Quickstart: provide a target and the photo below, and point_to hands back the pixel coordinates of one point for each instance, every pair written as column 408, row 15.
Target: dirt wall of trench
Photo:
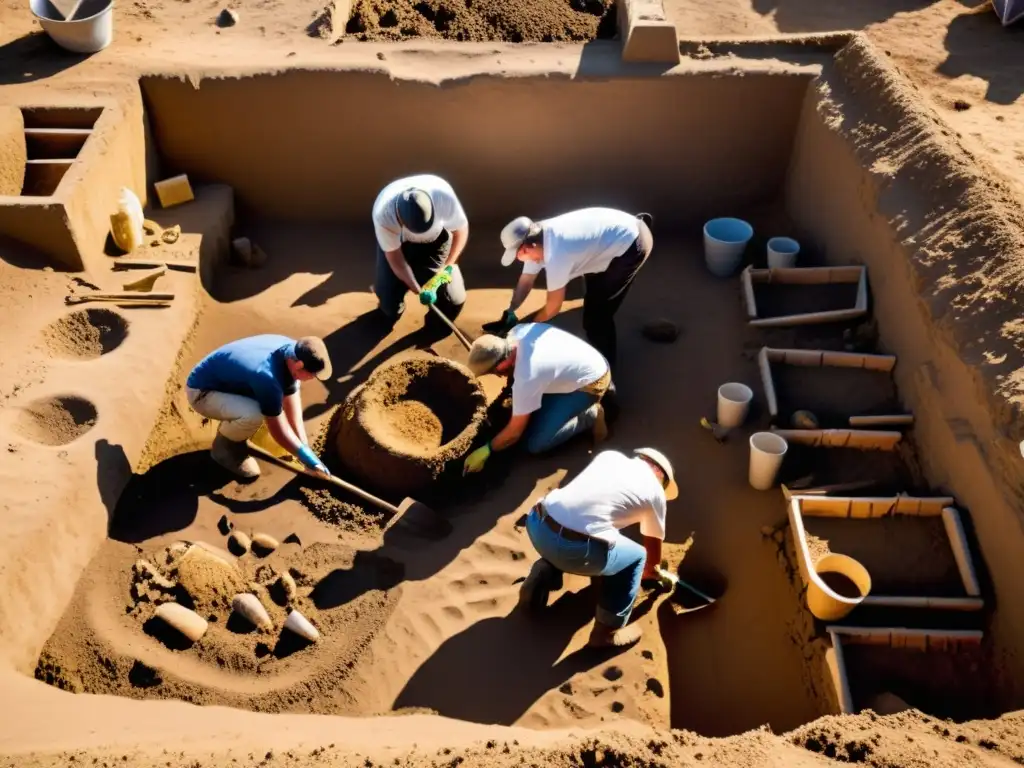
column 678, row 146
column 876, row 179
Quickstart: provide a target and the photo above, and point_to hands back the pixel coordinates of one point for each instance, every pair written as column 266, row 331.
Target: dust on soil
column 513, row 21
column 411, row 426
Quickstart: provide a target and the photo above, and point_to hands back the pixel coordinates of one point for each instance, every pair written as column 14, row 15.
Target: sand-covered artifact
column 399, row 430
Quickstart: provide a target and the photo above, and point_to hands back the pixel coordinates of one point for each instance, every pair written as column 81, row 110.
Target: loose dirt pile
column 411, row 426
column 513, row 21
column 85, row 334
column 56, row 420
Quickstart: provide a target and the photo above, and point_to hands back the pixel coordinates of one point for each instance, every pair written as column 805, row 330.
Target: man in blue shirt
column 245, row 382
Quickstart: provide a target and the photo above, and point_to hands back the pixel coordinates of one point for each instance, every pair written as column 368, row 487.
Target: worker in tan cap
column 421, row 231
column 252, row 380
column 558, row 381
column 578, row 529
column 605, row 246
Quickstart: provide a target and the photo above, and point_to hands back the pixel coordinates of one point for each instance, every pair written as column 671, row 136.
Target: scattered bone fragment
column 288, row 586
column 301, row 626
column 170, row 236
column 187, row 622
column 264, row 543
column 805, row 420
column 145, row 284
column 250, row 607
column 149, row 572
column 239, row 542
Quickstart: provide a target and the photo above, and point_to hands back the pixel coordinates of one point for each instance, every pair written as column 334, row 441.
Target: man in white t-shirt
column 578, row 529
column 558, row 381
column 421, row 231
column 605, row 246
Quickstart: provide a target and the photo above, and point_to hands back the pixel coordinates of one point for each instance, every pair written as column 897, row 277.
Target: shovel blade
column 421, row 520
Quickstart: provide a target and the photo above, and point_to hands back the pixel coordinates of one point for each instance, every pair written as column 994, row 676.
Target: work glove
column 501, row 327
column 663, row 579
column 428, row 293
column 476, row 460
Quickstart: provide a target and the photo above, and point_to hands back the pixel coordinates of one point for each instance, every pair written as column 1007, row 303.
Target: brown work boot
column 234, row 457
column 543, row 578
column 600, row 429
column 603, row 636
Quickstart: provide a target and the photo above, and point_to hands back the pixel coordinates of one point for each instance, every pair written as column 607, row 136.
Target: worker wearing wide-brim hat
column 558, row 382
column 578, row 529
column 421, row 231
column 254, row 380
column 605, row 246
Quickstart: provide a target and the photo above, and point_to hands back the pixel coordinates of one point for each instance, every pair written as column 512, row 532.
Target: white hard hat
column 659, row 458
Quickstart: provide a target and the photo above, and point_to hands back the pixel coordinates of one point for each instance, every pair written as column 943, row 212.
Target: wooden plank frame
column 805, row 276
column 924, row 640
column 854, row 508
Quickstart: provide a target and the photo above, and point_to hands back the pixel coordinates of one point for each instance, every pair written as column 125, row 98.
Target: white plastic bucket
column 724, row 242
column 767, row 450
column 782, row 252
column 733, row 404
column 824, row 602
column 90, row 29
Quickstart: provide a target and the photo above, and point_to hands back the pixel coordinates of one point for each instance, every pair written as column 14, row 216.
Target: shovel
column 677, row 607
column 458, row 334
column 412, row 514
column 149, row 299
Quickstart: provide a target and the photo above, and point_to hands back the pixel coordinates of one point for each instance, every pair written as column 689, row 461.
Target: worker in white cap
column 607, row 247
column 578, row 529
column 421, row 231
column 558, row 381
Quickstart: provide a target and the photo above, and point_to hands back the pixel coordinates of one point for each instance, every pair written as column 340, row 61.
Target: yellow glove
column 666, row 579
column 476, row 460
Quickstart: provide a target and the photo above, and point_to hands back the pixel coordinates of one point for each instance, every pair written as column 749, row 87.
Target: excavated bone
column 249, row 606
column 288, row 586
column 301, row 626
column 264, row 542
column 188, row 622
column 240, row 540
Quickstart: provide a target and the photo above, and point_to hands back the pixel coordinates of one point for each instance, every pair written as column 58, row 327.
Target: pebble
column 264, row 543
column 227, row 18
column 301, row 626
column 661, row 330
column 240, row 541
column 805, row 420
column 288, row 586
column 224, row 525
column 188, row 622
column 251, row 608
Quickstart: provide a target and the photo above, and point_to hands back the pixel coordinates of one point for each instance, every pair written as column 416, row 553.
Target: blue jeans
column 559, row 418
column 617, row 569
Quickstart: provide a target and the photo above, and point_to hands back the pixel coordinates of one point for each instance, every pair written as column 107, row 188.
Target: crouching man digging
column 251, row 380
column 558, row 381
column 577, row 529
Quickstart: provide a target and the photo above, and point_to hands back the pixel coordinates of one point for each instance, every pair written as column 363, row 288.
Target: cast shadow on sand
column 34, row 57
column 496, row 669
column 816, row 16
column 977, row 44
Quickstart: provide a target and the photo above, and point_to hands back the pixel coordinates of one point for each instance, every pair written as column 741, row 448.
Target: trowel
column 412, row 514
column 678, row 608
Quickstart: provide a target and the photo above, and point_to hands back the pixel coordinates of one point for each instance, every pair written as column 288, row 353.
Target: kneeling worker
column 558, row 381
column 421, row 231
column 577, row 529
column 252, row 379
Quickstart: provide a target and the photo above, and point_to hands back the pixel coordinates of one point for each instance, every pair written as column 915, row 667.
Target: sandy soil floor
column 416, row 628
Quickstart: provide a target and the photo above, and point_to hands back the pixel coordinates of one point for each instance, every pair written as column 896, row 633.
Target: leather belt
column 599, row 387
column 558, row 528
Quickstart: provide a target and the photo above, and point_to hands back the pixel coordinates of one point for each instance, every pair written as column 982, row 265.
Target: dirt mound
column 86, row 334
column 411, row 418
column 55, row 420
column 513, row 21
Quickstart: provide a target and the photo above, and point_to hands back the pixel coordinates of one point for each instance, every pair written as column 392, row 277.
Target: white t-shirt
column 612, row 493
column 448, row 213
column 550, row 361
column 583, row 242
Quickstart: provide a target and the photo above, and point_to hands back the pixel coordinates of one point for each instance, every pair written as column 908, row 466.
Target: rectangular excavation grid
column 877, row 508
column 787, row 290
column 929, row 643
column 53, row 139
column 855, row 387
column 859, row 439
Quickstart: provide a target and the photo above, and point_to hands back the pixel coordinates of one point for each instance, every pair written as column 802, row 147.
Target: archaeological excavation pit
column 409, row 421
column 433, row 627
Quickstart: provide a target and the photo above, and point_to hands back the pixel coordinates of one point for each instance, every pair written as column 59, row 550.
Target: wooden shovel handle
column 458, row 334
column 300, row 469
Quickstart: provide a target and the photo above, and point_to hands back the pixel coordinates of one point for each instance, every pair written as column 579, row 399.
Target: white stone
column 301, row 626
column 249, row 606
column 188, row 622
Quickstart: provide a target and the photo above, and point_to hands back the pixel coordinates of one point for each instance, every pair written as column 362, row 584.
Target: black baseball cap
column 312, row 353
column 416, row 210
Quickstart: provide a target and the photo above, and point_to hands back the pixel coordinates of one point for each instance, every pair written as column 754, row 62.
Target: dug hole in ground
column 106, row 481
